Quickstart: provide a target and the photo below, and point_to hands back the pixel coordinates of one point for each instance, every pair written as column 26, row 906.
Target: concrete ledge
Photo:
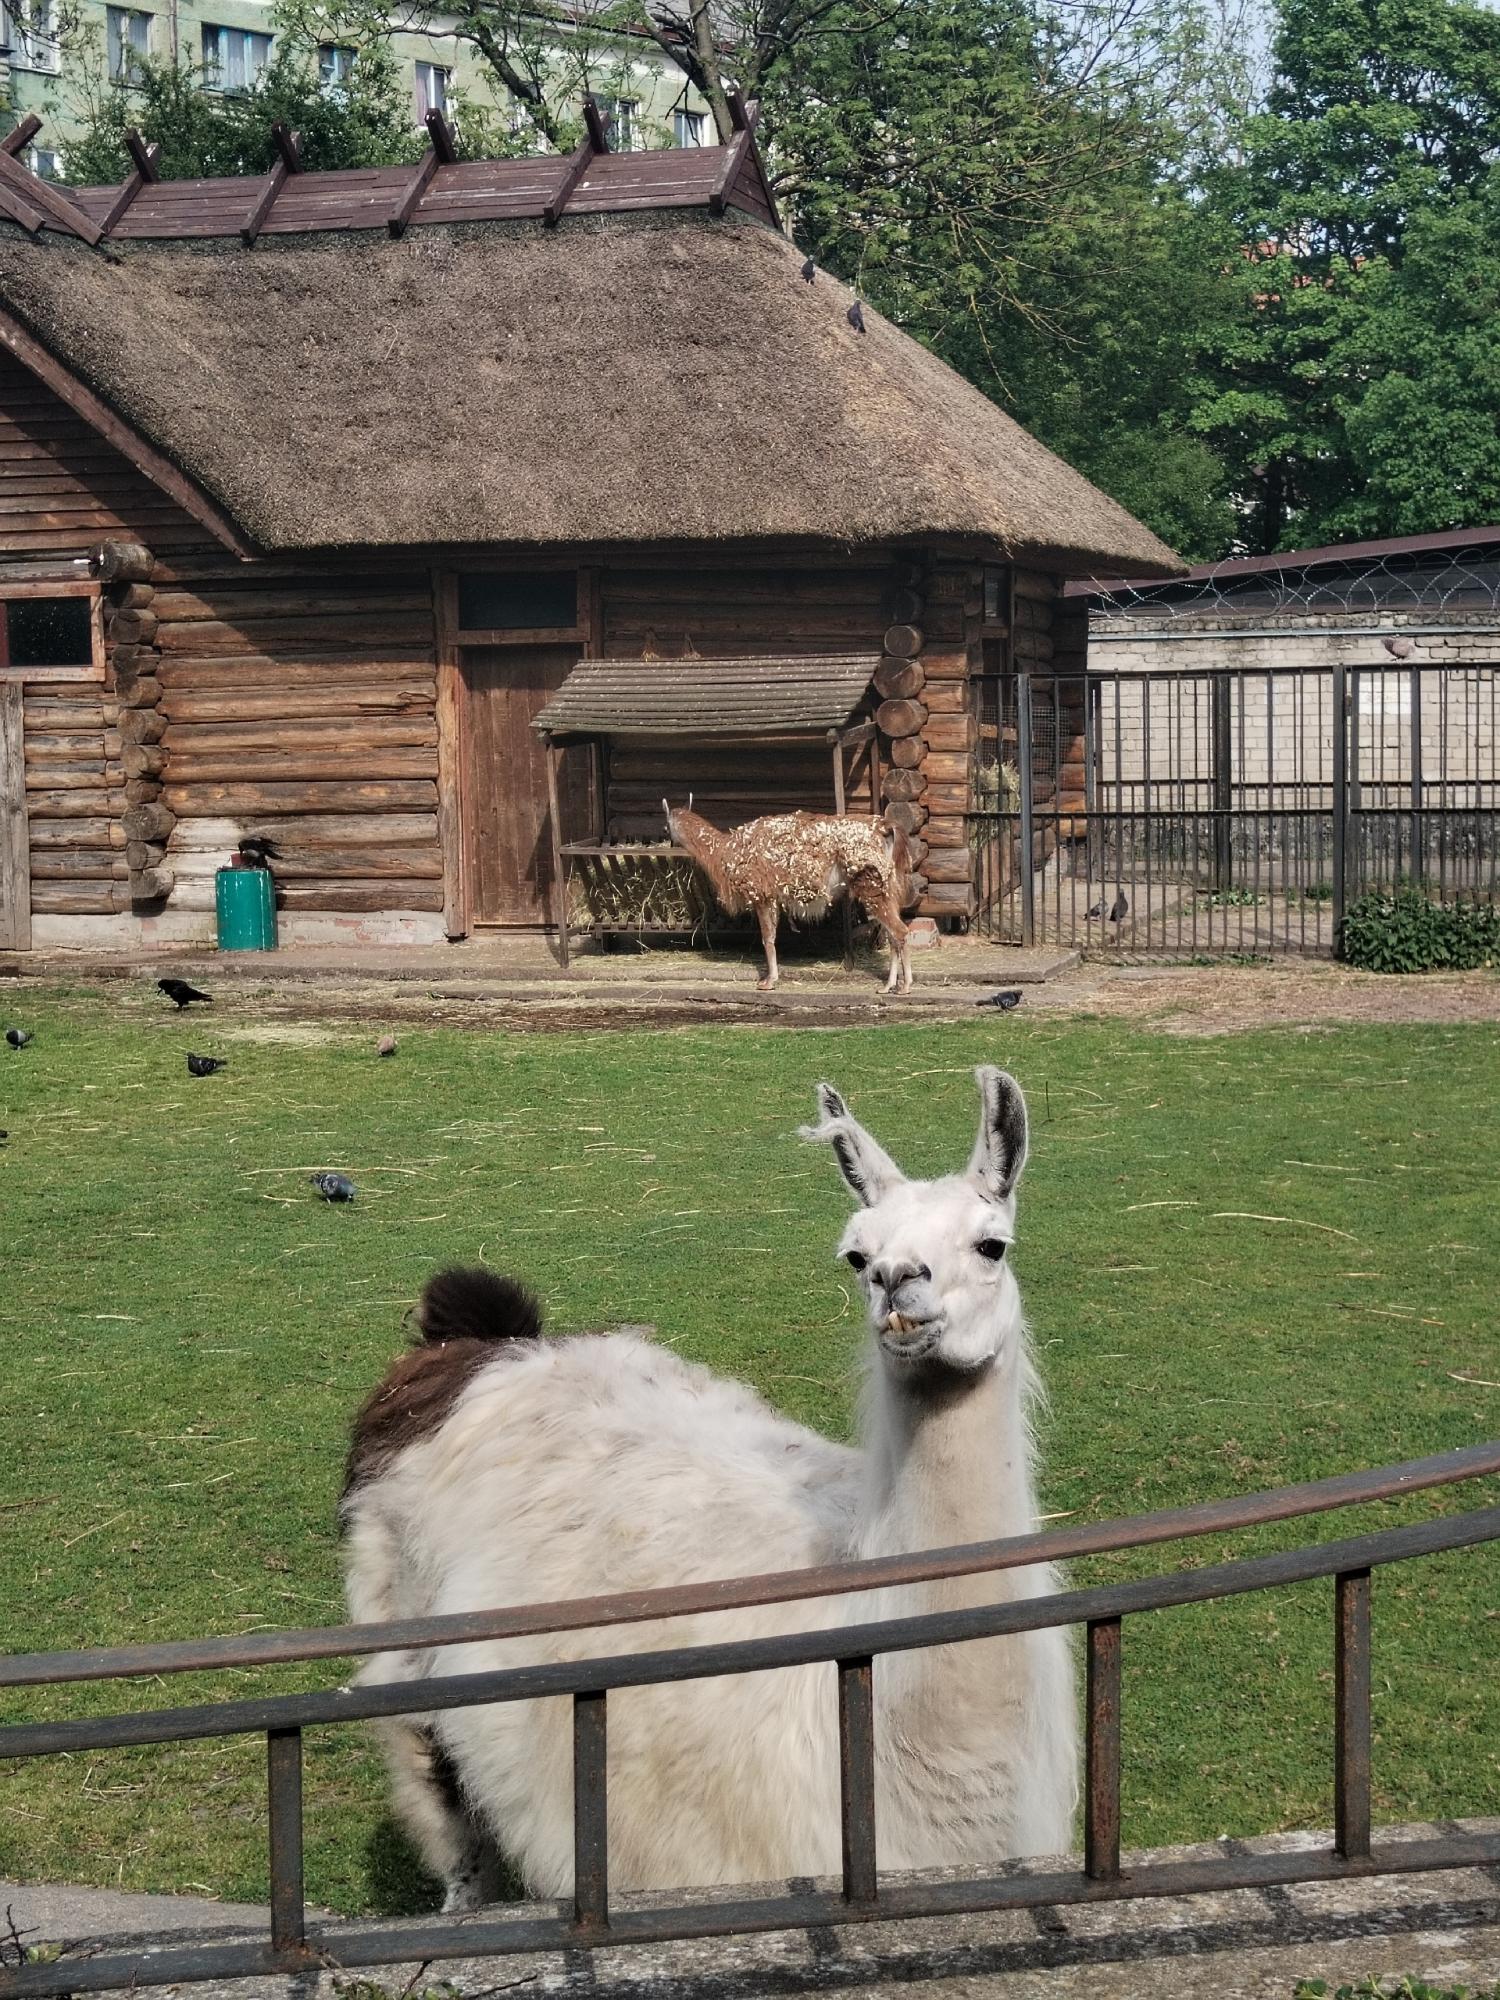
column 1249, row 1944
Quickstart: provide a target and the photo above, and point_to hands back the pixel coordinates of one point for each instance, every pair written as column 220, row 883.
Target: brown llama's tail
column 899, row 848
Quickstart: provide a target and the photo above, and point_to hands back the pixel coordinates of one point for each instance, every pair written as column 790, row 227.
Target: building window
column 620, row 115
column 518, row 601
column 56, row 636
column 32, row 34
column 433, row 83
column 45, row 162
column 233, row 58
column 687, row 128
column 128, row 39
column 335, row 65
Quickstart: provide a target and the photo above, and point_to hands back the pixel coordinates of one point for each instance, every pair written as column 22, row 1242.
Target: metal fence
column 1230, row 810
column 851, row 1650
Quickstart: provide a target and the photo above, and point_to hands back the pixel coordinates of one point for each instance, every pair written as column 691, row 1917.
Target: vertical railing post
column 1024, row 753
column 1418, row 838
column 1339, row 697
column 1221, row 756
column 590, row 1812
column 857, row 1777
column 1101, row 1816
column 1351, row 1715
column 284, row 1789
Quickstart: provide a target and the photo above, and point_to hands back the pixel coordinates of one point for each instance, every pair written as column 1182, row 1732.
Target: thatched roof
column 622, row 378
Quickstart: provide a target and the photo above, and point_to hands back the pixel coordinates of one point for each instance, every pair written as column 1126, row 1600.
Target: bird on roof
column 206, row 1065
column 1119, row 909
column 18, row 1037
column 1399, row 649
column 181, row 994
column 809, row 271
column 333, row 1187
column 1004, row 1001
column 855, row 317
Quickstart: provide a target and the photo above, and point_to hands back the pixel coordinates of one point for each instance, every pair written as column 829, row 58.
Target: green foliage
column 365, row 122
column 1406, row 931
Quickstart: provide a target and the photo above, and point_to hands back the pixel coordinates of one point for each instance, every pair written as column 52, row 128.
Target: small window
column 31, row 31
column 433, row 83
column 51, row 638
column 233, row 58
column 127, row 36
column 46, row 162
column 687, row 128
column 620, row 115
column 523, row 601
column 335, row 66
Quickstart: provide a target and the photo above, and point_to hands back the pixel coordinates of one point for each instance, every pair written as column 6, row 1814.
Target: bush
column 1405, row 931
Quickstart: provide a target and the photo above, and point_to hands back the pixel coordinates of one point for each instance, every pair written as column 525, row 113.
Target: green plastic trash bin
column 246, row 902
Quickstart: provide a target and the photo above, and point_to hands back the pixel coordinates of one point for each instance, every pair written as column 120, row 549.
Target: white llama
column 493, row 1467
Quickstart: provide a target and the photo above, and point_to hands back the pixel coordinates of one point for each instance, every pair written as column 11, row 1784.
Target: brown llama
column 803, row 863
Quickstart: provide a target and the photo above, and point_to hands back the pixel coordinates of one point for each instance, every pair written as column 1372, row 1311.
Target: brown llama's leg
column 880, row 908
column 768, row 915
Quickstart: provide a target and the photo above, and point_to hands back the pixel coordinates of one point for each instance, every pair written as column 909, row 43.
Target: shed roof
column 650, row 374
column 761, row 698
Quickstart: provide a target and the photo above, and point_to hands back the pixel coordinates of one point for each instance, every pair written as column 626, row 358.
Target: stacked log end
column 130, row 631
column 899, row 682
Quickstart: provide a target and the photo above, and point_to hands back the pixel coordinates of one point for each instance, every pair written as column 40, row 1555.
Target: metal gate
column 1229, row 811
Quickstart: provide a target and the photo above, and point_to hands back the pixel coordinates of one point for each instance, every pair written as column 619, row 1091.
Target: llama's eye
column 993, row 1247
column 855, row 1259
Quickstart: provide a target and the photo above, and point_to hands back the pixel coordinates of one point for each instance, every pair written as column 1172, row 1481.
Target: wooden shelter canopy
column 764, row 699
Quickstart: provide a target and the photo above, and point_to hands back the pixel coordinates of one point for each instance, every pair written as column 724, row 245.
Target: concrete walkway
column 1244, row 1945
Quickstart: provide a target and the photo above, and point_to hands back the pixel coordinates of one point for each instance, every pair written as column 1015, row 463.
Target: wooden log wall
column 301, row 704
column 734, row 610
column 1049, row 640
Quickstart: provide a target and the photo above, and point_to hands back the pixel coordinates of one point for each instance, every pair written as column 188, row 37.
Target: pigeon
column 1399, row 649
column 18, row 1037
column 386, row 1046
column 181, row 994
column 856, row 317
column 1004, row 1001
column 1119, row 909
column 1097, row 911
column 258, row 849
column 333, row 1187
column 809, row 271
column 206, row 1065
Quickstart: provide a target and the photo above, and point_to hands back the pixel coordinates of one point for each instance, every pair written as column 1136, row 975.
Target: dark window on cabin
column 518, row 601
column 49, row 632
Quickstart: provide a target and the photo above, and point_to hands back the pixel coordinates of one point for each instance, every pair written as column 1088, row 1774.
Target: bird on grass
column 181, row 994
column 809, row 271
column 259, row 850
column 1004, row 1001
column 856, row 317
column 1119, row 909
column 206, row 1065
column 18, row 1037
column 333, row 1187
column 386, row 1046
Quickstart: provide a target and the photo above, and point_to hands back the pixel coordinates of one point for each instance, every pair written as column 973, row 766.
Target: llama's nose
column 891, row 1277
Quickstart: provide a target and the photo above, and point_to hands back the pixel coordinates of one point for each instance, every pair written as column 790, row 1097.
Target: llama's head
column 931, row 1256
column 673, row 813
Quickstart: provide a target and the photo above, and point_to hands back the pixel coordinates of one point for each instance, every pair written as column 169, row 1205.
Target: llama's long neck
column 702, row 841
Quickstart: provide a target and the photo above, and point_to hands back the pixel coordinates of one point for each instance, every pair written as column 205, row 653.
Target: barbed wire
column 1419, row 586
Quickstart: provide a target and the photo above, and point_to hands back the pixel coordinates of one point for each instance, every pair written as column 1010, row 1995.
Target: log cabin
column 316, row 488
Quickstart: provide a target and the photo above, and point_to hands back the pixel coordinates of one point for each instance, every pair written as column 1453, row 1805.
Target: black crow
column 333, row 1187
column 1119, row 909
column 1005, row 1001
column 206, row 1065
column 181, row 994
column 809, row 270
column 856, row 317
column 18, row 1037
column 258, row 849
column 1096, row 911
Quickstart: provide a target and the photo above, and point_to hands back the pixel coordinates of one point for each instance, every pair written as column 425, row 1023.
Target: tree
column 1353, row 394
column 363, row 122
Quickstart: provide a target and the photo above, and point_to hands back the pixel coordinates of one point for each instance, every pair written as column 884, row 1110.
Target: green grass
column 186, row 1330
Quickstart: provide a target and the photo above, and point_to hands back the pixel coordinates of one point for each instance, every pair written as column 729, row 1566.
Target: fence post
column 1221, row 739
column 284, row 1787
column 857, row 1777
column 1101, row 1812
column 590, row 1812
column 1024, row 753
column 1340, row 702
column 1418, row 870
column 1351, row 1715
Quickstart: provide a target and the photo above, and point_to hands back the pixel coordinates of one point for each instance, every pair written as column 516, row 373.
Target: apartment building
column 646, row 100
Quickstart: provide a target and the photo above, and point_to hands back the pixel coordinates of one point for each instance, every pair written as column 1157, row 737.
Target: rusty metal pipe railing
column 325, row 1642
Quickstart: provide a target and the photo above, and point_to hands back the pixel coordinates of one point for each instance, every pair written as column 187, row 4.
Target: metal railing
column 851, row 1649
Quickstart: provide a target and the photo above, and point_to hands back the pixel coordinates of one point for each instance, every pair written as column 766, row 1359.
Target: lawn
column 187, row 1330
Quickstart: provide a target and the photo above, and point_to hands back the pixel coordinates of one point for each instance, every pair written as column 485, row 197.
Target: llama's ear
column 1000, row 1150
column 869, row 1171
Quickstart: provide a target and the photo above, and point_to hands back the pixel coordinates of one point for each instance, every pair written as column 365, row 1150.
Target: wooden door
column 505, row 780
column 15, row 857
